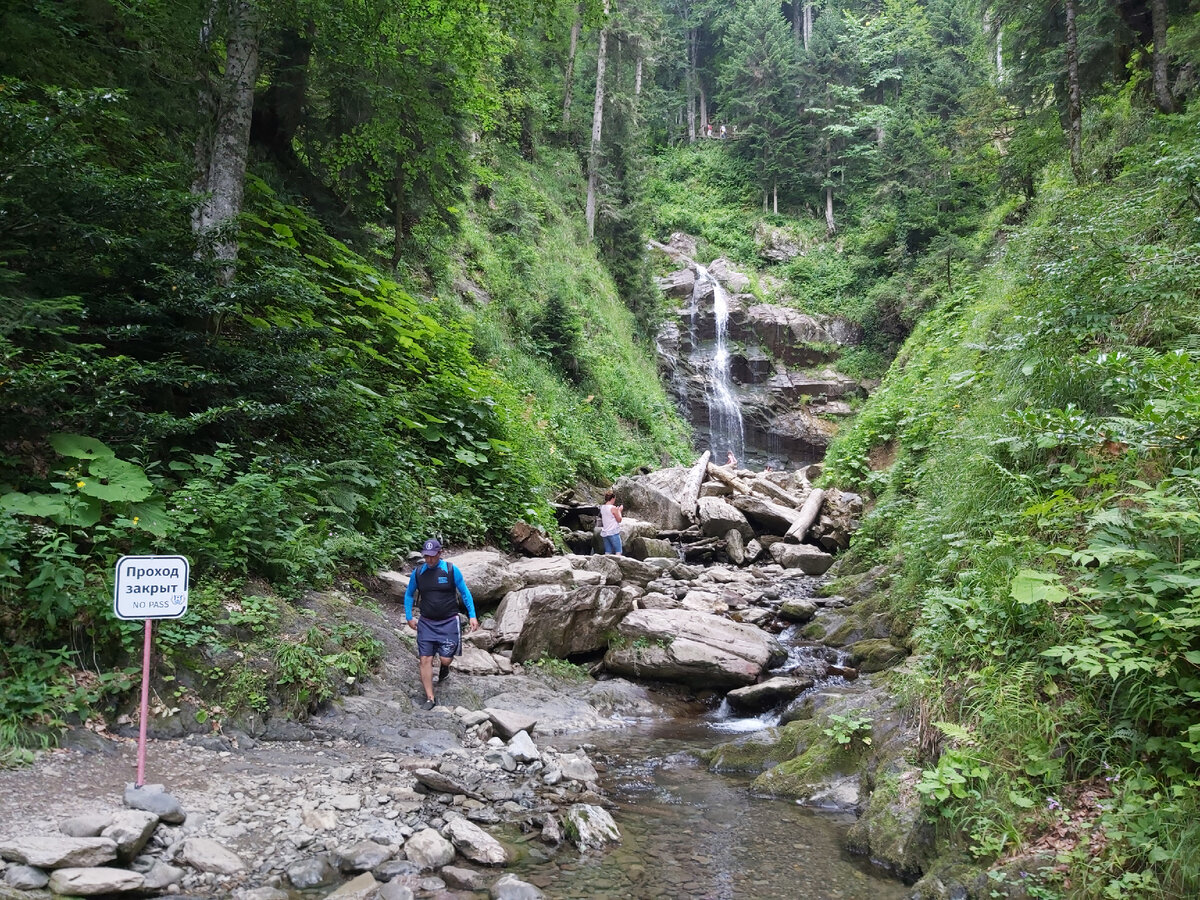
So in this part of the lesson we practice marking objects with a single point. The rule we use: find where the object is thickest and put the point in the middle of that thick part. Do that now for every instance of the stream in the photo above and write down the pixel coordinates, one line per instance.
(687, 832)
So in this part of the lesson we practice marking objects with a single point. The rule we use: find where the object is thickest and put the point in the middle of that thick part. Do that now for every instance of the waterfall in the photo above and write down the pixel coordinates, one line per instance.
(726, 431)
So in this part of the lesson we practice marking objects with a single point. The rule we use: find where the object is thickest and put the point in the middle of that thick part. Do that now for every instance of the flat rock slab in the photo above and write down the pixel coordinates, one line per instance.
(90, 881)
(53, 852)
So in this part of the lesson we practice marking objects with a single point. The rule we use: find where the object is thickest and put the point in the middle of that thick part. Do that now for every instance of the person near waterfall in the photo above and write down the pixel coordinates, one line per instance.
(610, 523)
(731, 460)
(440, 584)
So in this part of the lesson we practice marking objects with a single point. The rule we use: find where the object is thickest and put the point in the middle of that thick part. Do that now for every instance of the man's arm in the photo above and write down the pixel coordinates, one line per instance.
(460, 584)
(410, 594)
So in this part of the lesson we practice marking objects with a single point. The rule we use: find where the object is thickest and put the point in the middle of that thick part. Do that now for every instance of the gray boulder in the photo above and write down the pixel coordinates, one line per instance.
(53, 852)
(718, 517)
(692, 648)
(474, 843)
(805, 557)
(566, 624)
(93, 881)
(510, 887)
(591, 827)
(429, 850)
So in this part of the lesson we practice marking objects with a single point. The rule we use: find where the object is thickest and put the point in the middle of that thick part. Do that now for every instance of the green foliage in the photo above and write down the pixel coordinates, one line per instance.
(851, 731)
(561, 669)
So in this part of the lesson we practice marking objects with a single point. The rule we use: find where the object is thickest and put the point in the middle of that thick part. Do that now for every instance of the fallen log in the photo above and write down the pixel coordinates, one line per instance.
(808, 515)
(770, 489)
(723, 475)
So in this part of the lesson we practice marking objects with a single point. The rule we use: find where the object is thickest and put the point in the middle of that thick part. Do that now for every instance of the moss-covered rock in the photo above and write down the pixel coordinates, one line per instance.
(762, 750)
(892, 830)
(875, 655)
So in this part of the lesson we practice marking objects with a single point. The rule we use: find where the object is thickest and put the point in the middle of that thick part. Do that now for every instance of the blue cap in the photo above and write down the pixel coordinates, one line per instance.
(431, 547)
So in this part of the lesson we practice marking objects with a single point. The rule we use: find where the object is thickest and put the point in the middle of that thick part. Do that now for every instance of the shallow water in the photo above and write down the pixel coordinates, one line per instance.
(687, 832)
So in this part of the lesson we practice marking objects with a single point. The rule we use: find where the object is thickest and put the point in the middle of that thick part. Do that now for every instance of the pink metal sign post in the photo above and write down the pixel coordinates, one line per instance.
(149, 588)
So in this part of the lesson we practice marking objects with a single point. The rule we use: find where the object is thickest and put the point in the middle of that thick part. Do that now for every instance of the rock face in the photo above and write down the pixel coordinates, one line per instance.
(780, 359)
(692, 648)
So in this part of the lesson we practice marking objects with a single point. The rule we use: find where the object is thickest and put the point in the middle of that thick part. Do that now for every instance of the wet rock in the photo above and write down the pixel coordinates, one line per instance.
(590, 826)
(464, 879)
(875, 655)
(93, 881)
(797, 610)
(395, 891)
(757, 697)
(510, 887)
(52, 852)
(474, 843)
(691, 648)
(362, 887)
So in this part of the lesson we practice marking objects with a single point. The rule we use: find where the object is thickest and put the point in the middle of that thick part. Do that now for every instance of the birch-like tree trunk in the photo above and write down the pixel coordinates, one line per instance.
(1074, 96)
(830, 224)
(691, 86)
(221, 152)
(1162, 87)
(597, 126)
(808, 24)
(703, 101)
(569, 76)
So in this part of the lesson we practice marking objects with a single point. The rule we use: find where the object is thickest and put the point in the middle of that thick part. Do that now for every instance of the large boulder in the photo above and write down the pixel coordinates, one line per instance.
(94, 881)
(514, 608)
(658, 498)
(636, 571)
(766, 515)
(55, 852)
(805, 557)
(692, 648)
(578, 622)
(717, 517)
(487, 575)
(677, 285)
(651, 548)
(555, 570)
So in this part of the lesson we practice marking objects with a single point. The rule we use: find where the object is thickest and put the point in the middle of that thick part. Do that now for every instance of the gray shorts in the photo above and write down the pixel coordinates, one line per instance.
(440, 637)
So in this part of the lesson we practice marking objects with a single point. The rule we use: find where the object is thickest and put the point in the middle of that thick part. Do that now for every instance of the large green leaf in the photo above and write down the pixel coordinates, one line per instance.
(80, 447)
(115, 480)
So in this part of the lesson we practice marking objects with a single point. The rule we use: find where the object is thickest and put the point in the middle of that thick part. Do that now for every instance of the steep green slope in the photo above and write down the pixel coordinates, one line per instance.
(1033, 457)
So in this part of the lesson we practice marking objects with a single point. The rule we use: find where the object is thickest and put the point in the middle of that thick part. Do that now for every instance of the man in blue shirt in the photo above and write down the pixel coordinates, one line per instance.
(440, 584)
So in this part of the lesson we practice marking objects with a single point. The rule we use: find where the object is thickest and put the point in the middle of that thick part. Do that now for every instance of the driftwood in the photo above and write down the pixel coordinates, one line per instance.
(770, 489)
(691, 490)
(724, 475)
(808, 515)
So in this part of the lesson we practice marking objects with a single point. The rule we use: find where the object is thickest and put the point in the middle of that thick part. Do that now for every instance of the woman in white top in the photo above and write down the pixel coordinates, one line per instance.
(610, 523)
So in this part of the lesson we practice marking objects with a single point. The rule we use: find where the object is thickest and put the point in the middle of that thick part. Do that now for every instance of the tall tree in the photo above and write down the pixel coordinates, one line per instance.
(597, 128)
(1074, 93)
(222, 149)
(1162, 86)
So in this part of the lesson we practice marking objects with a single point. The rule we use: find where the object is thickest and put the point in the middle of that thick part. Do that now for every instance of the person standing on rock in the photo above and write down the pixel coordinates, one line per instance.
(440, 584)
(610, 523)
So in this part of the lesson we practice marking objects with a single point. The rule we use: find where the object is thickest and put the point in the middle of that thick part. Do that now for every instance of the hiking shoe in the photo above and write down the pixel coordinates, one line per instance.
(428, 704)
(443, 675)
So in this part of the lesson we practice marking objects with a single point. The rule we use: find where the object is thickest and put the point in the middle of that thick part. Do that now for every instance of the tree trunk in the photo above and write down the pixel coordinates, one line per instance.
(569, 76)
(703, 103)
(808, 515)
(222, 162)
(775, 196)
(1074, 97)
(1162, 88)
(637, 78)
(797, 26)
(691, 86)
(830, 225)
(808, 24)
(597, 125)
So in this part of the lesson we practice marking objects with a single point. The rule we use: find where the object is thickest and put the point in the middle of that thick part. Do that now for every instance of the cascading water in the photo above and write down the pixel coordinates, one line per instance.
(726, 430)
